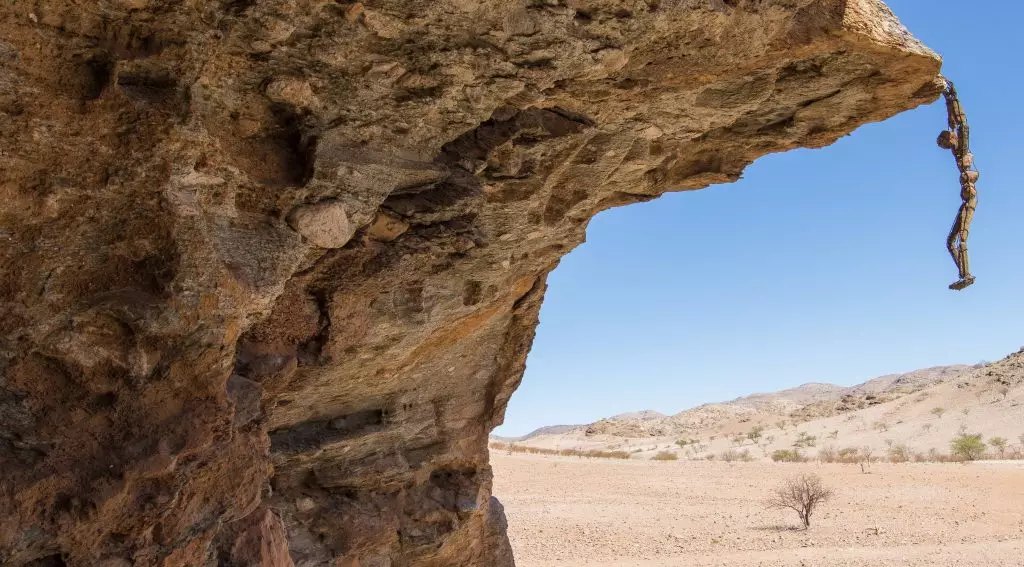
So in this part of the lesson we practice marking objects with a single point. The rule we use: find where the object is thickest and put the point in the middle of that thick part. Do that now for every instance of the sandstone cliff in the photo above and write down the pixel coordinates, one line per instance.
(271, 268)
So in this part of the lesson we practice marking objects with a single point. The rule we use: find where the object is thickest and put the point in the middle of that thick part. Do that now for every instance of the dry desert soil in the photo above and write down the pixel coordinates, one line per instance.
(566, 511)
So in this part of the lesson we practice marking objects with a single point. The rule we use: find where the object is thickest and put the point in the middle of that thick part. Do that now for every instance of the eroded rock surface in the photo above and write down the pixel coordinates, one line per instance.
(187, 380)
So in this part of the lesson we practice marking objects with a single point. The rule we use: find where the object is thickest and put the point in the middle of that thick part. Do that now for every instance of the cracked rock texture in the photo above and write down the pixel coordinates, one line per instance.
(271, 268)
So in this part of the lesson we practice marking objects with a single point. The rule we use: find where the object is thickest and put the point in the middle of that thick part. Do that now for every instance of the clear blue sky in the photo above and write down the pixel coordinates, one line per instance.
(819, 266)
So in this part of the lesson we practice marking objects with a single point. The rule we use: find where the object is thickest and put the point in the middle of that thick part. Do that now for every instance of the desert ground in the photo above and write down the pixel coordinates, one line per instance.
(567, 511)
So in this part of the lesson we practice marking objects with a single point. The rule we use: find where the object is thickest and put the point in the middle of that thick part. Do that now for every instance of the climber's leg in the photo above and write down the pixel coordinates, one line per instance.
(951, 240)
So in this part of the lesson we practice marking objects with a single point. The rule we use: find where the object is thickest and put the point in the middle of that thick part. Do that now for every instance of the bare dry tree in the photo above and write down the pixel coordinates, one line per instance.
(801, 494)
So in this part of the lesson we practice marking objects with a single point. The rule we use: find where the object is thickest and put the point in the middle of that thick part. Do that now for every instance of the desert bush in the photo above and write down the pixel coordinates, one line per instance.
(738, 439)
(937, 412)
(710, 456)
(805, 440)
(607, 454)
(934, 456)
(683, 442)
(899, 453)
(926, 427)
(828, 454)
(513, 448)
(834, 435)
(787, 456)
(755, 433)
(849, 455)
(781, 425)
(665, 456)
(880, 426)
(968, 447)
(801, 494)
(999, 444)
(732, 455)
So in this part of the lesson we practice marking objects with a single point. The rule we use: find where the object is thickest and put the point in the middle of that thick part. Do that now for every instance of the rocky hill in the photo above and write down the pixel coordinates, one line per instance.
(920, 410)
(540, 431)
(805, 402)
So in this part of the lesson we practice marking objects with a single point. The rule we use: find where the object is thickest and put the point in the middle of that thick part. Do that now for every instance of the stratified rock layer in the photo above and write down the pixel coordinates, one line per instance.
(187, 380)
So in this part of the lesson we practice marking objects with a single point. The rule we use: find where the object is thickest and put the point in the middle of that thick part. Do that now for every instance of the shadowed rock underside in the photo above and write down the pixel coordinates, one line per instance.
(271, 268)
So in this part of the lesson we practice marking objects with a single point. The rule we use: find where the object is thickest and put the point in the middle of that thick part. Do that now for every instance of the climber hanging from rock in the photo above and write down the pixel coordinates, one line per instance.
(958, 139)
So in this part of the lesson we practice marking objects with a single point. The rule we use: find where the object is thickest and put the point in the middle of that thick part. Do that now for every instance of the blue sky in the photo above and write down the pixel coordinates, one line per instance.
(819, 266)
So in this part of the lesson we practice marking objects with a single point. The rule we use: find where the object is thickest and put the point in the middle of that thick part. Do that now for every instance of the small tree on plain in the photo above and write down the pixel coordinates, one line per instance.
(967, 447)
(999, 443)
(802, 494)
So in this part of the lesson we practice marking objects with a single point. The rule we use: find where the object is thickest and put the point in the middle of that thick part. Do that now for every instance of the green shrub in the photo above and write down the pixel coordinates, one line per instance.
(787, 456)
(755, 433)
(805, 440)
(900, 453)
(999, 444)
(968, 447)
(849, 455)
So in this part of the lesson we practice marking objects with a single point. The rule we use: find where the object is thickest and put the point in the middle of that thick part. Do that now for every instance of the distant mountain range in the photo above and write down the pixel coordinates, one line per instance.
(920, 411)
(808, 401)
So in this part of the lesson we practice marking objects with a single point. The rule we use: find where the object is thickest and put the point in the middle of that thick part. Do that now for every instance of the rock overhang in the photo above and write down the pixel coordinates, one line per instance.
(188, 378)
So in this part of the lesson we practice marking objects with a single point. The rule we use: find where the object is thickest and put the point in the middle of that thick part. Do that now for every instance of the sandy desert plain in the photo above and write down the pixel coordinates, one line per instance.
(579, 512)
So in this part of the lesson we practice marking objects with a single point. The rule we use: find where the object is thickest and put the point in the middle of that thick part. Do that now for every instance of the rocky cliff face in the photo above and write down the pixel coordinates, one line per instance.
(271, 268)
